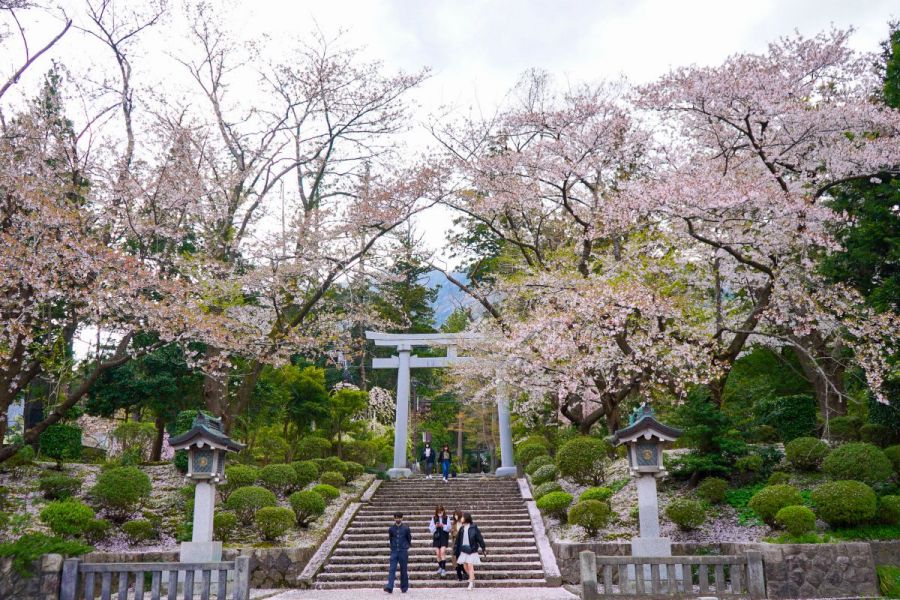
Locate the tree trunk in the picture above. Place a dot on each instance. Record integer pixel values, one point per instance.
(825, 372)
(156, 450)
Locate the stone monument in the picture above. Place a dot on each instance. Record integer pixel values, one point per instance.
(206, 445)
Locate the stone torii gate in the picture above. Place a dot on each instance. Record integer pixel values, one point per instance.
(404, 361)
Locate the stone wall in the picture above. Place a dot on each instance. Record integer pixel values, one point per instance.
(42, 584)
(845, 570)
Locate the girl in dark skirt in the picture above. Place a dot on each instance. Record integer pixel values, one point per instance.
(439, 526)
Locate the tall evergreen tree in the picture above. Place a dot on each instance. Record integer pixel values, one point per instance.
(405, 298)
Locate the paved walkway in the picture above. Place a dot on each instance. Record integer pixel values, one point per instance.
(522, 593)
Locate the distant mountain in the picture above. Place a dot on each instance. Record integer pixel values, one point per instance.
(449, 296)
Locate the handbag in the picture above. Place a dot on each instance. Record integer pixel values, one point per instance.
(466, 549)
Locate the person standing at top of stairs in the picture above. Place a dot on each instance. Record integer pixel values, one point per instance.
(400, 539)
(445, 459)
(429, 457)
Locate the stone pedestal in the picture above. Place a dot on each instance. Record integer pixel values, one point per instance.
(649, 543)
(202, 548)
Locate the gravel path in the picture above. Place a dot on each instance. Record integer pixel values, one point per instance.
(540, 593)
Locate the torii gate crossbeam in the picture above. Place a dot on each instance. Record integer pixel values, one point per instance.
(404, 361)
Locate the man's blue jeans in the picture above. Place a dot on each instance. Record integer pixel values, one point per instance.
(445, 468)
(402, 557)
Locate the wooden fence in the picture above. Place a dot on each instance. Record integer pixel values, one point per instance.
(626, 577)
(152, 580)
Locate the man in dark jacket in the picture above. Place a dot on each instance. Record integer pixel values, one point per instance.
(400, 539)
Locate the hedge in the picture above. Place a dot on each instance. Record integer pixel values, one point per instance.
(858, 461)
(844, 502)
(805, 453)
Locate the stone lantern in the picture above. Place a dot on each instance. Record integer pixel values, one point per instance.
(206, 445)
(645, 438)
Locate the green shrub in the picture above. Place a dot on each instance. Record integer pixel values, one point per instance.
(352, 470)
(844, 502)
(135, 437)
(546, 488)
(121, 490)
(768, 501)
(306, 471)
(328, 492)
(584, 459)
(893, 454)
(535, 438)
(805, 453)
(274, 521)
(238, 476)
(61, 442)
(601, 494)
(858, 461)
(67, 517)
(24, 456)
(778, 478)
(593, 515)
(332, 478)
(364, 452)
(281, 479)
(313, 447)
(888, 580)
(140, 530)
(31, 546)
(712, 489)
(537, 462)
(333, 463)
(58, 486)
(752, 463)
(555, 504)
(225, 524)
(889, 510)
(762, 434)
(844, 429)
(686, 513)
(526, 453)
(792, 416)
(544, 474)
(307, 506)
(796, 520)
(97, 530)
(247, 500)
(876, 433)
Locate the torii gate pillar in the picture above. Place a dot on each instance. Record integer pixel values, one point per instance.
(401, 419)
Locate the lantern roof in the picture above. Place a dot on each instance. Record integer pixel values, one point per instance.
(205, 431)
(642, 424)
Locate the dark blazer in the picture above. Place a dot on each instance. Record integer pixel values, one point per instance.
(476, 540)
(400, 537)
(432, 458)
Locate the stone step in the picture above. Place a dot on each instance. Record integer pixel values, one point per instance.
(448, 582)
(380, 543)
(381, 529)
(419, 554)
(429, 562)
(369, 515)
(480, 573)
(381, 537)
(431, 567)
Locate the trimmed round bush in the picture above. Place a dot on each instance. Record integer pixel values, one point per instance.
(274, 521)
(313, 447)
(584, 460)
(712, 489)
(686, 513)
(796, 520)
(844, 429)
(281, 479)
(752, 463)
(889, 510)
(58, 486)
(67, 517)
(352, 470)
(139, 530)
(307, 506)
(247, 500)
(526, 453)
(893, 454)
(544, 474)
(333, 463)
(768, 501)
(332, 478)
(546, 488)
(555, 504)
(601, 494)
(225, 524)
(328, 492)
(306, 472)
(97, 530)
(858, 461)
(537, 462)
(535, 438)
(121, 490)
(61, 442)
(238, 476)
(593, 515)
(876, 433)
(778, 478)
(844, 502)
(805, 453)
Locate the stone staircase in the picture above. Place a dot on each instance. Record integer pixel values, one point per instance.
(360, 559)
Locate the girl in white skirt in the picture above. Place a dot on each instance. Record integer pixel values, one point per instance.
(468, 541)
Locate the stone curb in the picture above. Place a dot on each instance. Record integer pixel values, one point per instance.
(370, 491)
(318, 559)
(525, 489)
(548, 559)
